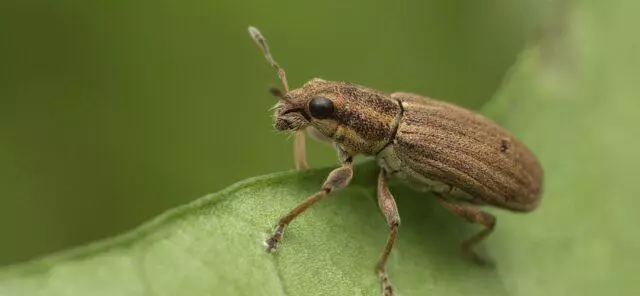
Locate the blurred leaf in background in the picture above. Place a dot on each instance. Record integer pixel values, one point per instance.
(574, 98)
(113, 111)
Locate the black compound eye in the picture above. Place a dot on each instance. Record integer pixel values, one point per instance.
(320, 107)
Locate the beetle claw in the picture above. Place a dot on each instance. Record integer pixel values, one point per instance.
(271, 244)
(477, 259)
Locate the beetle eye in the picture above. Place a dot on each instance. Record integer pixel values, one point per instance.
(320, 107)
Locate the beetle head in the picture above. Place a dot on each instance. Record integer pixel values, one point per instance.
(360, 119)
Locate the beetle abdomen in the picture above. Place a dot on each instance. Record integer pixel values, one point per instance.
(446, 143)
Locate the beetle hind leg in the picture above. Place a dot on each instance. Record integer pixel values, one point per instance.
(473, 215)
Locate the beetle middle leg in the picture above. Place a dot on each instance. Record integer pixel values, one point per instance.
(337, 179)
(388, 207)
(473, 215)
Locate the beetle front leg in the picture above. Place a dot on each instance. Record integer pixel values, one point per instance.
(388, 207)
(337, 179)
(473, 215)
(299, 151)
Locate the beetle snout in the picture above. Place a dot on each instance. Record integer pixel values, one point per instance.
(289, 116)
(283, 124)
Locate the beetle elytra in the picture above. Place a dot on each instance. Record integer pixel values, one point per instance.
(465, 159)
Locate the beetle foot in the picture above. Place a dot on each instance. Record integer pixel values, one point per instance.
(387, 289)
(272, 242)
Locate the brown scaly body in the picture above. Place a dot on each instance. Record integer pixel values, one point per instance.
(443, 142)
(463, 157)
(428, 143)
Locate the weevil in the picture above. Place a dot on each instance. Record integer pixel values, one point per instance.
(463, 158)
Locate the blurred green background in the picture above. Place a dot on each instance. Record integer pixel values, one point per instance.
(113, 111)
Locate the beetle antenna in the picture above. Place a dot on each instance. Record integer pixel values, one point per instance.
(267, 54)
(277, 93)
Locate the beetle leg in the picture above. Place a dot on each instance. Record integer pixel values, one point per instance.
(388, 207)
(337, 179)
(473, 215)
(299, 152)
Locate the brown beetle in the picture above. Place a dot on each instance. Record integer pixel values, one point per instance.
(461, 156)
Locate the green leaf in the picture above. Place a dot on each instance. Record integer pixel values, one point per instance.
(572, 98)
(215, 247)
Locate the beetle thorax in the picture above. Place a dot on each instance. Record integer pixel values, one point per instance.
(360, 120)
